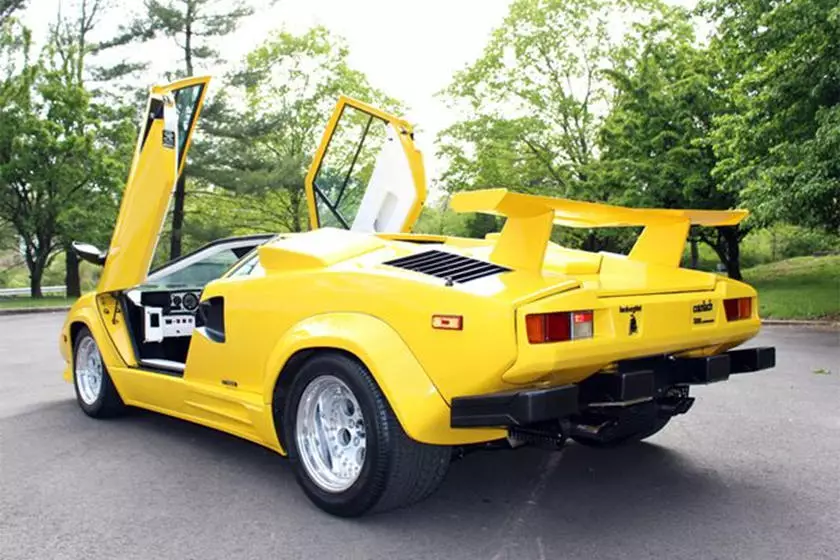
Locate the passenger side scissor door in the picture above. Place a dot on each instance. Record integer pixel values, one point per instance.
(367, 174)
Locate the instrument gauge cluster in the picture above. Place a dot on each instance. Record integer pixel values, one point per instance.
(183, 302)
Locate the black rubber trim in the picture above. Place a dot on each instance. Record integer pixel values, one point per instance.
(752, 359)
(701, 371)
(514, 408)
(637, 379)
(619, 387)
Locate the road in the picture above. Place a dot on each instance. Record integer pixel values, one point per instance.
(753, 471)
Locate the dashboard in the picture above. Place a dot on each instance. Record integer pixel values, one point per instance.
(166, 313)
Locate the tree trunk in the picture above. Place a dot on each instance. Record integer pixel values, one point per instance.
(726, 246)
(72, 282)
(695, 253)
(180, 186)
(36, 272)
(177, 218)
(733, 252)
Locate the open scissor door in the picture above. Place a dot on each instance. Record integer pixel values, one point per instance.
(166, 131)
(367, 174)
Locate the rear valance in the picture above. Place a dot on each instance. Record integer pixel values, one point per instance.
(523, 240)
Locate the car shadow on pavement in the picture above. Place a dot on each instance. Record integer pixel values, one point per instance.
(580, 495)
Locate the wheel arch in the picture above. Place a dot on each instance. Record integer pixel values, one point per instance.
(416, 402)
(84, 314)
(76, 327)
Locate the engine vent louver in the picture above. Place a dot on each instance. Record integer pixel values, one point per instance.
(441, 264)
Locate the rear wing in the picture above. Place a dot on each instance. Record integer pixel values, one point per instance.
(525, 235)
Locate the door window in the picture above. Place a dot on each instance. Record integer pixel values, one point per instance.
(186, 102)
(347, 167)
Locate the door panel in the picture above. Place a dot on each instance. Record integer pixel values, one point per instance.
(159, 158)
(367, 174)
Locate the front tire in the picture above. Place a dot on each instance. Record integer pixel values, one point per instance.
(95, 392)
(349, 452)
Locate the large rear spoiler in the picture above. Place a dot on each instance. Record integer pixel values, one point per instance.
(525, 235)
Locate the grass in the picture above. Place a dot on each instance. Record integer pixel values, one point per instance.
(798, 288)
(26, 302)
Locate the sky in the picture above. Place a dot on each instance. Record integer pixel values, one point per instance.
(408, 48)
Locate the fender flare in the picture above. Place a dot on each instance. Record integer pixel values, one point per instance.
(86, 312)
(416, 402)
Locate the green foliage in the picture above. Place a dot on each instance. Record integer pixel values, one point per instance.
(535, 100)
(534, 96)
(799, 288)
(9, 7)
(656, 147)
(21, 302)
(779, 145)
(57, 159)
(259, 150)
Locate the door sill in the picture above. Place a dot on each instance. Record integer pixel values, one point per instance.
(167, 367)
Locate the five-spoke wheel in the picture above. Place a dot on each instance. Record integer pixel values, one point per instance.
(349, 452)
(330, 434)
(95, 392)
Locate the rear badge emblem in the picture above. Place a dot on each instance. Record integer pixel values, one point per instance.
(634, 326)
(703, 313)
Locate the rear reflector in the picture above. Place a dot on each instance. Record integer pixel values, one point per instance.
(557, 327)
(582, 324)
(738, 308)
(448, 322)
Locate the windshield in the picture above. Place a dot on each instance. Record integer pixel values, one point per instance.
(198, 273)
(204, 265)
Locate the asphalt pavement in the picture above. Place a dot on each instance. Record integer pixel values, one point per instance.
(752, 472)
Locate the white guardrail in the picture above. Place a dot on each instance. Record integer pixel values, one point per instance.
(11, 292)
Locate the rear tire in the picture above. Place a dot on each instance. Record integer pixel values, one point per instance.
(95, 392)
(348, 450)
(654, 425)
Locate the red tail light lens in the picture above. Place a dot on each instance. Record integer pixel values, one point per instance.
(738, 308)
(557, 327)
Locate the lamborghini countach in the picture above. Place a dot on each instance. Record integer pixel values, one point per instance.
(370, 356)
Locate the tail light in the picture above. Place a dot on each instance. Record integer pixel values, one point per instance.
(738, 308)
(560, 326)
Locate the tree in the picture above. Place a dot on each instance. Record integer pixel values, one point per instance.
(535, 99)
(780, 144)
(76, 45)
(50, 161)
(656, 147)
(260, 151)
(541, 74)
(9, 7)
(192, 25)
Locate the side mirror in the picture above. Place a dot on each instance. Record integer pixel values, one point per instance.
(89, 253)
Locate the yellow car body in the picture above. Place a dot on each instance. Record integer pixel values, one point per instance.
(427, 339)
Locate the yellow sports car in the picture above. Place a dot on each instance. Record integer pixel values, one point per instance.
(368, 354)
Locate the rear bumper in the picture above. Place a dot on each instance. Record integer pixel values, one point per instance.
(635, 381)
